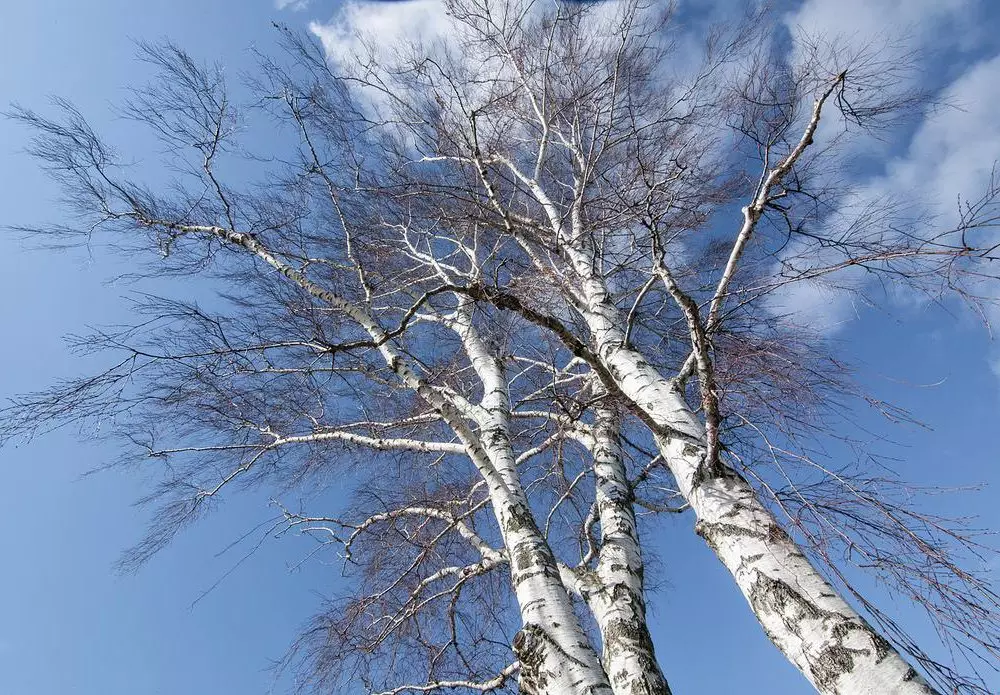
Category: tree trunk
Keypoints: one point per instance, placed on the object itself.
(618, 599)
(555, 654)
(819, 632)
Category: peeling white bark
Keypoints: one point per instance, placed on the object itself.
(819, 632)
(553, 650)
(618, 596)
(800, 611)
(555, 655)
(805, 617)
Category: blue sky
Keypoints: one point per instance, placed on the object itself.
(69, 625)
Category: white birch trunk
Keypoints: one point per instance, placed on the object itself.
(618, 597)
(555, 654)
(819, 632)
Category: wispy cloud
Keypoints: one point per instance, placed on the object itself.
(950, 153)
(953, 151)
(950, 156)
(922, 20)
(360, 27)
(293, 5)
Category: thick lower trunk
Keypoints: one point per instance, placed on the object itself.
(556, 656)
(819, 632)
(628, 654)
(554, 653)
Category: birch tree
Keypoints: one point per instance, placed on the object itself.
(512, 287)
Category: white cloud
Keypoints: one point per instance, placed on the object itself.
(864, 20)
(293, 5)
(360, 27)
(381, 26)
(953, 150)
(366, 37)
(953, 155)
(950, 153)
(821, 308)
(374, 40)
(892, 40)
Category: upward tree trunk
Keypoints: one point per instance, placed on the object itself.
(618, 601)
(555, 655)
(805, 617)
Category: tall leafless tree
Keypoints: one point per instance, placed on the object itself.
(512, 286)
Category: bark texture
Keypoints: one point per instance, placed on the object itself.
(552, 647)
(618, 598)
(819, 632)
